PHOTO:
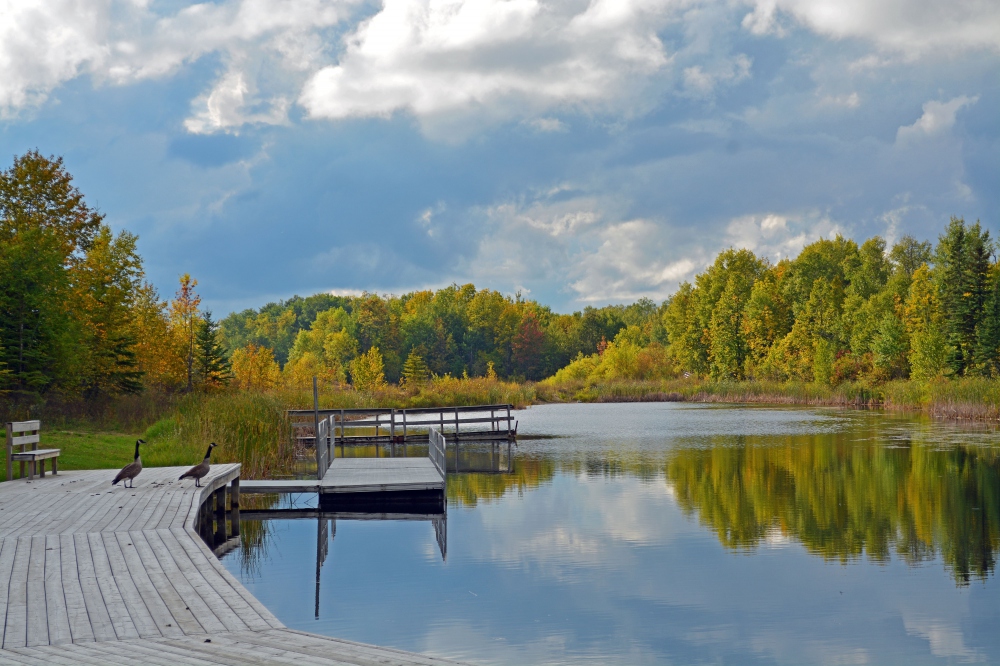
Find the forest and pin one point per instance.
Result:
(79, 321)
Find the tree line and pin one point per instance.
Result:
(837, 312)
(458, 331)
(79, 318)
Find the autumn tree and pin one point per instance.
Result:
(254, 368)
(185, 321)
(368, 371)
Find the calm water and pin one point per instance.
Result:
(672, 533)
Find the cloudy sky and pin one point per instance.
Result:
(580, 151)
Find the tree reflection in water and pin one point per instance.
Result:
(847, 499)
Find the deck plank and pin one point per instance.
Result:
(69, 575)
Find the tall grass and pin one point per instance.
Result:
(438, 392)
(250, 428)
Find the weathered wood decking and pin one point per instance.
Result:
(361, 475)
(91, 574)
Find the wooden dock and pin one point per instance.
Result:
(94, 574)
(361, 475)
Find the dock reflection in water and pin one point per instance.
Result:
(682, 534)
(326, 529)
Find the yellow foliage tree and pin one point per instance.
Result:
(368, 371)
(254, 368)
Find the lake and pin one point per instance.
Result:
(663, 533)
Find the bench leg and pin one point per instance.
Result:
(55, 467)
(22, 470)
(31, 470)
(41, 468)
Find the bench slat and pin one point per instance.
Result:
(24, 439)
(36, 455)
(25, 426)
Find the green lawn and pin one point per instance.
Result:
(89, 449)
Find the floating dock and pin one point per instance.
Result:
(95, 574)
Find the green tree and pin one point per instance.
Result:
(988, 331)
(929, 351)
(45, 227)
(415, 370)
(212, 367)
(961, 268)
(107, 283)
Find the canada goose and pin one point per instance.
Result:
(199, 470)
(131, 470)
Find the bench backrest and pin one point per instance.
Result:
(22, 433)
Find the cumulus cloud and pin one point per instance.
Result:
(582, 244)
(777, 236)
(912, 27)
(44, 43)
(500, 58)
(937, 117)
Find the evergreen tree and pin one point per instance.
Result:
(212, 366)
(415, 370)
(988, 333)
(961, 268)
(45, 226)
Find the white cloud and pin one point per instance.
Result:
(703, 81)
(937, 117)
(583, 244)
(46, 43)
(547, 125)
(499, 58)
(229, 105)
(912, 27)
(777, 236)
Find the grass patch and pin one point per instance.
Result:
(83, 449)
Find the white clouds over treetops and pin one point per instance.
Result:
(495, 59)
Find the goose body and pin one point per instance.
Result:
(131, 470)
(201, 469)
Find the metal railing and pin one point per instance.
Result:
(436, 450)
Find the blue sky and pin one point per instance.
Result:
(579, 151)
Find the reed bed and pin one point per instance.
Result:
(250, 428)
(964, 398)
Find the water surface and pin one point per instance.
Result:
(670, 533)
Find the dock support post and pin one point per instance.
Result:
(319, 456)
(220, 515)
(234, 506)
(508, 421)
(392, 425)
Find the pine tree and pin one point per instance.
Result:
(988, 333)
(415, 370)
(961, 267)
(212, 366)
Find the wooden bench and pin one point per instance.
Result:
(19, 435)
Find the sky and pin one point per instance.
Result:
(580, 152)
